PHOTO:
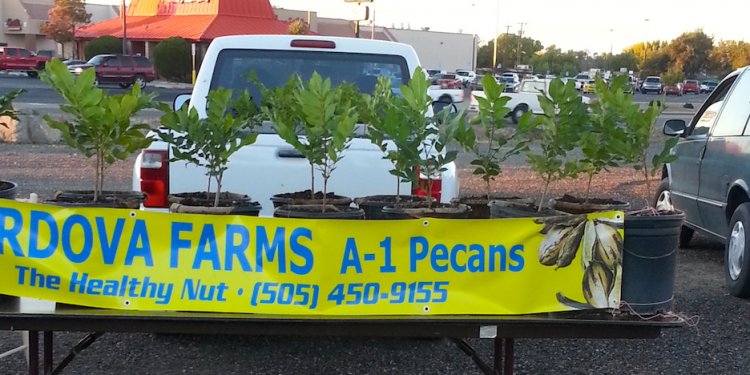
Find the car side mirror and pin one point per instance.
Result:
(180, 101)
(675, 127)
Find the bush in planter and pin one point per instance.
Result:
(419, 140)
(99, 126)
(651, 236)
(102, 45)
(209, 142)
(491, 117)
(172, 59)
(555, 133)
(602, 142)
(318, 120)
(7, 188)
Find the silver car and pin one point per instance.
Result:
(651, 84)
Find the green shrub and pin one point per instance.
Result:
(171, 59)
(102, 45)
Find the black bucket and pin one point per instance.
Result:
(649, 261)
(8, 190)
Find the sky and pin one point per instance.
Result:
(593, 25)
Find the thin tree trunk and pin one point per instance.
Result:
(487, 182)
(312, 181)
(218, 189)
(544, 194)
(398, 189)
(588, 189)
(98, 172)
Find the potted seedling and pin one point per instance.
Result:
(602, 141)
(551, 136)
(8, 113)
(651, 234)
(390, 118)
(99, 126)
(424, 142)
(318, 120)
(209, 142)
(496, 146)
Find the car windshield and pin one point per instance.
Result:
(465, 74)
(653, 79)
(448, 76)
(235, 68)
(96, 60)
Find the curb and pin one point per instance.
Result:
(171, 85)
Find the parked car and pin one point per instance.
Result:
(431, 73)
(707, 86)
(581, 79)
(466, 76)
(124, 70)
(511, 85)
(691, 85)
(21, 59)
(588, 87)
(710, 180)
(73, 62)
(447, 81)
(651, 84)
(675, 89)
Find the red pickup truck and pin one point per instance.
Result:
(20, 59)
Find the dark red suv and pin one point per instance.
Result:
(124, 70)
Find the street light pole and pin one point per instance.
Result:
(611, 40)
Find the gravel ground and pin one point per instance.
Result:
(713, 344)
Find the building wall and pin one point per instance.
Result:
(290, 14)
(30, 36)
(438, 50)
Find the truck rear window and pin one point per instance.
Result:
(274, 68)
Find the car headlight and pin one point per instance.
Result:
(78, 70)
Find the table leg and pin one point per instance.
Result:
(498, 355)
(48, 352)
(508, 356)
(33, 353)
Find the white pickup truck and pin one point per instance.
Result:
(270, 165)
(525, 100)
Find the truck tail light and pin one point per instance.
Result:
(155, 178)
(423, 185)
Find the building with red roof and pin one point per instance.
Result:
(200, 21)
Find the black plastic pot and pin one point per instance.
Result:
(373, 205)
(573, 205)
(302, 198)
(649, 261)
(440, 211)
(519, 208)
(8, 190)
(202, 204)
(106, 199)
(319, 211)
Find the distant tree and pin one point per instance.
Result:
(102, 45)
(172, 59)
(646, 50)
(655, 65)
(63, 19)
(690, 52)
(672, 76)
(624, 60)
(507, 51)
(554, 61)
(727, 56)
(298, 27)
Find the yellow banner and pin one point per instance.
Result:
(137, 260)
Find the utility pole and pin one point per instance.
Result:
(494, 48)
(124, 28)
(518, 50)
